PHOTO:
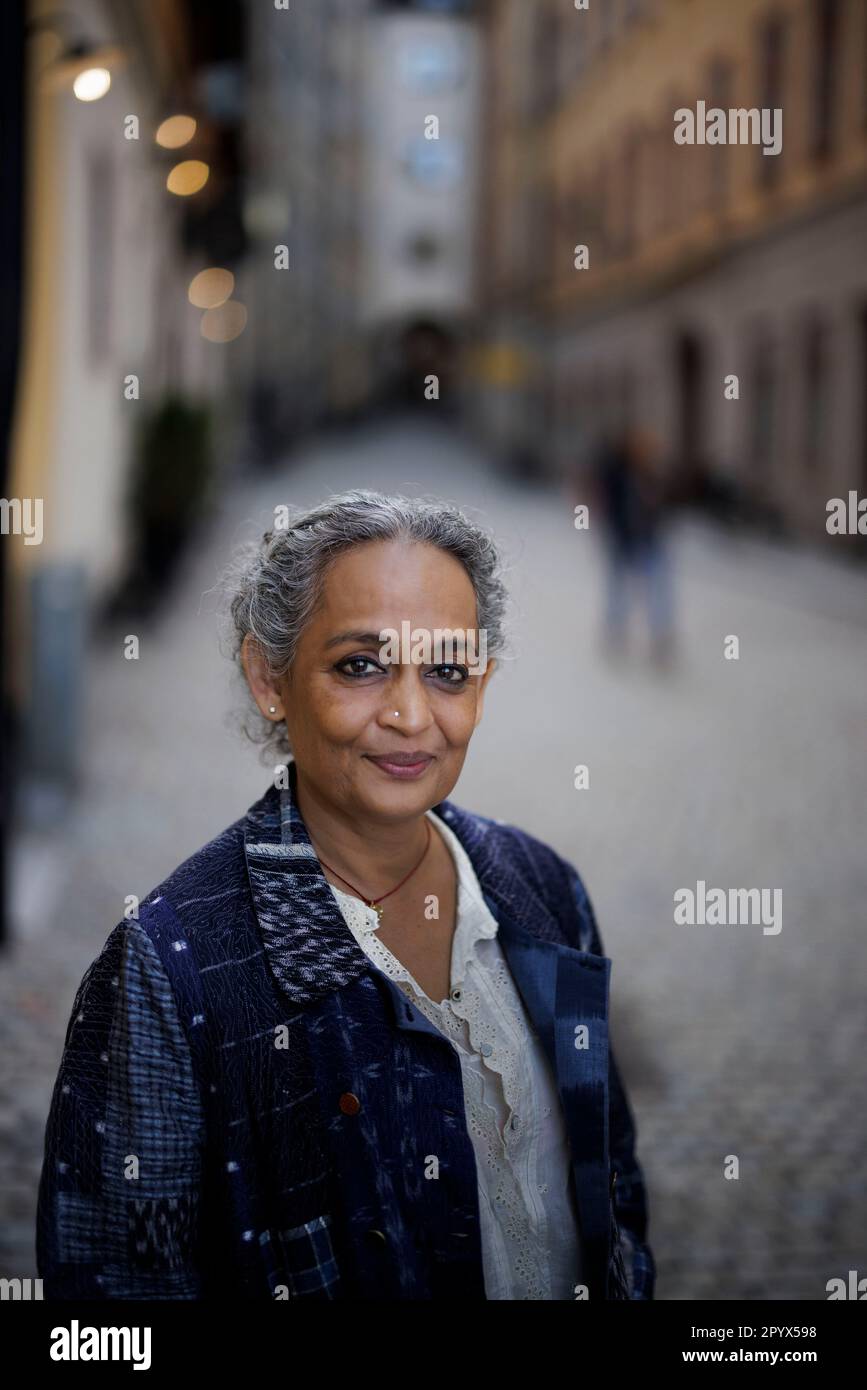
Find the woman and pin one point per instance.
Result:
(356, 1046)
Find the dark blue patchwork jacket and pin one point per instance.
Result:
(245, 1103)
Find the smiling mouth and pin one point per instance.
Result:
(402, 764)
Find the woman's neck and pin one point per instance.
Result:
(372, 856)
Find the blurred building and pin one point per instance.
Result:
(705, 260)
(510, 367)
(422, 97)
(373, 203)
(107, 328)
(304, 131)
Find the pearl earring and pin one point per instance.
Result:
(272, 709)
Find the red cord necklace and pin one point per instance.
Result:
(374, 902)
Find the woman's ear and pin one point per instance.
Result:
(259, 679)
(480, 697)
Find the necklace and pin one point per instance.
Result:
(375, 902)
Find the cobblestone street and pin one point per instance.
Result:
(748, 773)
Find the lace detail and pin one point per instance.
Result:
(509, 1095)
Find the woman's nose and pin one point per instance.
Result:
(406, 704)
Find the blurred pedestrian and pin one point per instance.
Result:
(633, 503)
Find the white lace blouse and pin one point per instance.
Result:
(529, 1233)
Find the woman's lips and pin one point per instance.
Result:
(402, 765)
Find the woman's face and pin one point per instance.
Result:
(347, 709)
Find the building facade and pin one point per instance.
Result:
(107, 332)
(705, 261)
(303, 131)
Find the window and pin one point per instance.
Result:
(572, 46)
(826, 29)
(422, 249)
(546, 41)
(772, 43)
(863, 42)
(630, 191)
(432, 67)
(434, 164)
(608, 23)
(720, 86)
(674, 173)
(816, 384)
(603, 209)
(628, 393)
(763, 410)
(862, 369)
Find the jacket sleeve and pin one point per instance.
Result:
(630, 1195)
(119, 1193)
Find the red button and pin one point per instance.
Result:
(349, 1103)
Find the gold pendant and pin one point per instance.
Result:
(378, 910)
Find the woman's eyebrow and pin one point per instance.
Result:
(353, 636)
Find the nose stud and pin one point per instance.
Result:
(397, 714)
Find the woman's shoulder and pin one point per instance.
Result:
(504, 836)
(204, 900)
(213, 872)
(206, 890)
(500, 844)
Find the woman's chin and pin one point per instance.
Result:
(389, 794)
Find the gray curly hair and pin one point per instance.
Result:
(275, 584)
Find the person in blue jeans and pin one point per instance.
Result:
(634, 513)
(356, 1046)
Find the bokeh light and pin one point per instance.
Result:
(211, 287)
(175, 131)
(187, 177)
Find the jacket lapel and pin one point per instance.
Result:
(309, 947)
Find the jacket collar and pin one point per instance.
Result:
(309, 946)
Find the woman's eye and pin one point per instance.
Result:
(451, 674)
(355, 666)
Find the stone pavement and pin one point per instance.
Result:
(744, 774)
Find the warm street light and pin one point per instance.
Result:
(187, 177)
(211, 287)
(175, 131)
(91, 84)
